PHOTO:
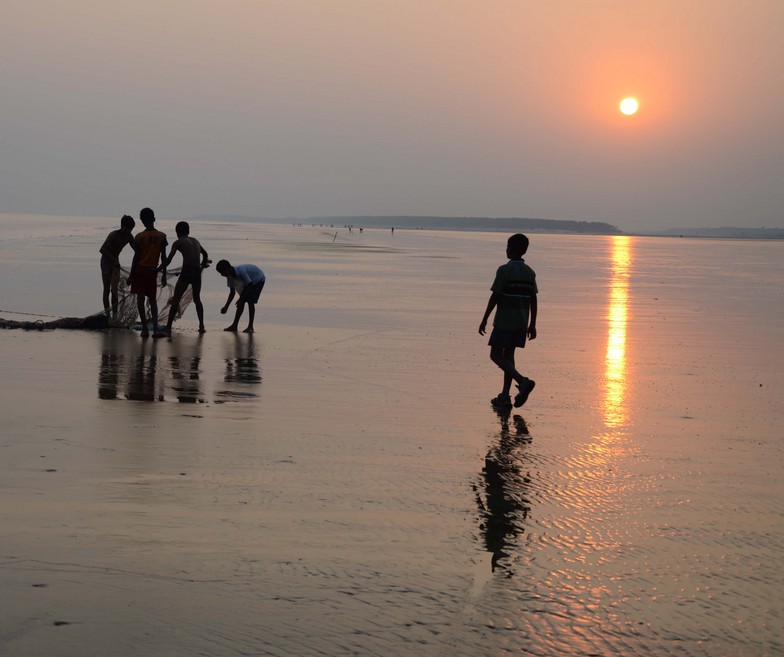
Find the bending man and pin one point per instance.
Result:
(246, 280)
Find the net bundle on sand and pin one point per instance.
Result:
(127, 310)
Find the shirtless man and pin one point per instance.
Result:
(194, 259)
(110, 261)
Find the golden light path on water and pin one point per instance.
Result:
(617, 318)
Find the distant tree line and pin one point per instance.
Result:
(492, 224)
(505, 224)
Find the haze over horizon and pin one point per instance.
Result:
(302, 108)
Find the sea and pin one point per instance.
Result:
(338, 483)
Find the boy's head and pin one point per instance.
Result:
(516, 246)
(182, 228)
(147, 217)
(127, 222)
(224, 268)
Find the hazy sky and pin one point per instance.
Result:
(296, 108)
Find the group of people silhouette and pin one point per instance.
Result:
(150, 260)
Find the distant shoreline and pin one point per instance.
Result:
(501, 224)
(469, 224)
(427, 222)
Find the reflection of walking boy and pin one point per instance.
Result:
(514, 293)
(248, 281)
(150, 247)
(504, 505)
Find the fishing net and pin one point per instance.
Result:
(127, 310)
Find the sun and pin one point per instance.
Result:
(629, 106)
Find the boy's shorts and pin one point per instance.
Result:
(252, 293)
(144, 280)
(190, 274)
(507, 339)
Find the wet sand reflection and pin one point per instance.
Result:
(185, 361)
(501, 493)
(144, 382)
(242, 370)
(135, 369)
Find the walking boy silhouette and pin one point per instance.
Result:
(514, 299)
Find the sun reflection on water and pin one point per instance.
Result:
(617, 318)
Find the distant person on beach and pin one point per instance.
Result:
(194, 259)
(110, 261)
(246, 280)
(514, 298)
(150, 249)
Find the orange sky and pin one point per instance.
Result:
(447, 107)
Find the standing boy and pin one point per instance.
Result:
(514, 295)
(248, 281)
(150, 248)
(192, 253)
(110, 261)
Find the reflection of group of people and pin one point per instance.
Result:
(142, 372)
(150, 259)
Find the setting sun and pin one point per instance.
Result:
(629, 106)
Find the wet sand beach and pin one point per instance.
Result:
(338, 483)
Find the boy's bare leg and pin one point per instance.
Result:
(115, 287)
(156, 331)
(500, 357)
(175, 306)
(237, 315)
(106, 277)
(251, 316)
(509, 353)
(140, 303)
(199, 306)
(504, 358)
(179, 290)
(200, 315)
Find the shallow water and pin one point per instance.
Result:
(338, 483)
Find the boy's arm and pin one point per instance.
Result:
(167, 261)
(228, 302)
(492, 302)
(163, 267)
(532, 321)
(134, 261)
